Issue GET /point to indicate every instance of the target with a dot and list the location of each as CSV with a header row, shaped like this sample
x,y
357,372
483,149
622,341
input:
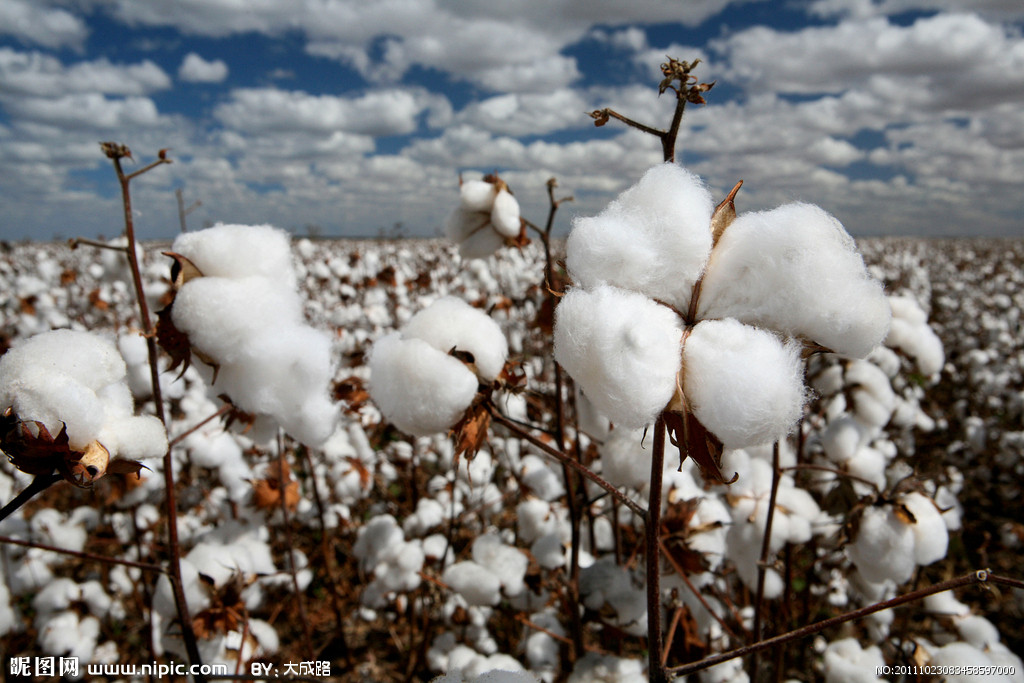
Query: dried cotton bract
x,y
651,276
425,377
487,216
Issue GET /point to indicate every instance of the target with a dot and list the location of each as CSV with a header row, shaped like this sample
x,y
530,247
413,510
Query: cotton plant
x,y
486,219
236,307
67,408
683,311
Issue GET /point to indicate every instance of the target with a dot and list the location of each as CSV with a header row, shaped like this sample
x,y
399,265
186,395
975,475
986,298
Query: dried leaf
x,y
471,431
600,117
694,440
352,391
267,491
365,478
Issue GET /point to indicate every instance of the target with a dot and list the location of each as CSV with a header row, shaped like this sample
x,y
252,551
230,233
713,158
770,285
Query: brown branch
x,y
982,576
145,566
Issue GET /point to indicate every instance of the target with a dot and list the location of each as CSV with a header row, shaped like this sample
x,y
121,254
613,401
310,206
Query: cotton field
x,y
361,437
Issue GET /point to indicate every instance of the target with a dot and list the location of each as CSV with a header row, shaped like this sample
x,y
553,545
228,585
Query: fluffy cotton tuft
x,y
911,334
622,349
884,547
796,270
742,383
78,380
420,389
415,381
931,538
451,323
245,315
653,239
239,251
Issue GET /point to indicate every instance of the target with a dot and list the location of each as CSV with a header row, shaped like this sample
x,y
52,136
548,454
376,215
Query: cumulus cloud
x,y
50,27
87,111
40,75
376,113
195,69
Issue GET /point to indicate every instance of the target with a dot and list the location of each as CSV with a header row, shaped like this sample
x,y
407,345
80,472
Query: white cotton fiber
x,y
742,383
478,585
796,270
238,251
911,334
622,349
220,315
931,538
883,548
847,662
450,323
508,563
78,380
487,214
245,315
505,214
420,389
653,239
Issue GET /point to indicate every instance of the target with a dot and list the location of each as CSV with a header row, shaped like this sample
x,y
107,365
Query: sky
x,y
357,117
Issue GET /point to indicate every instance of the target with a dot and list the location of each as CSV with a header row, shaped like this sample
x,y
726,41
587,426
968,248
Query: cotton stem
x,y
762,564
652,528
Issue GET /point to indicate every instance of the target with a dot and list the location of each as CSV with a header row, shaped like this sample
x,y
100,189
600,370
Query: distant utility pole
x,y
182,211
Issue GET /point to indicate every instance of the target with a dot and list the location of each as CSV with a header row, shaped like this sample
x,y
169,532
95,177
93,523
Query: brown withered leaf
x,y
96,301
266,492
31,448
365,478
724,214
675,527
172,340
694,440
352,391
126,467
600,117
520,240
512,376
471,430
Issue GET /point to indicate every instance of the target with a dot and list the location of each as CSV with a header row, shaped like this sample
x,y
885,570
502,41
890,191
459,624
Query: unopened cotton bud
x,y
796,270
622,349
742,383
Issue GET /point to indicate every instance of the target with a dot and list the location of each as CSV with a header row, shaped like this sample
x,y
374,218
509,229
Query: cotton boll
x,y
220,315
742,383
842,439
847,662
598,668
653,239
931,538
471,230
477,195
796,270
623,350
505,214
624,460
451,323
883,548
419,389
238,251
506,562
476,584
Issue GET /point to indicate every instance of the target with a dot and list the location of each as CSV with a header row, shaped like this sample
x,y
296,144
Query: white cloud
x,y
195,69
36,74
381,112
50,27
88,111
528,114
959,58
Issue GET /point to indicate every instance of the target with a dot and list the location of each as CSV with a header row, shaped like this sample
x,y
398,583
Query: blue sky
x,y
898,116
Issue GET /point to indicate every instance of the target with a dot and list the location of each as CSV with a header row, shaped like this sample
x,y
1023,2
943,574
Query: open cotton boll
x,y
450,323
931,538
238,251
911,334
622,349
419,389
509,564
477,195
653,239
598,668
883,548
477,585
471,230
505,214
847,662
796,270
742,383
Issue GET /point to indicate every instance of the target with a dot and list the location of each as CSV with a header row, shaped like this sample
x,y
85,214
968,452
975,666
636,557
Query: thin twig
x,y
571,462
982,576
765,549
145,566
652,548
